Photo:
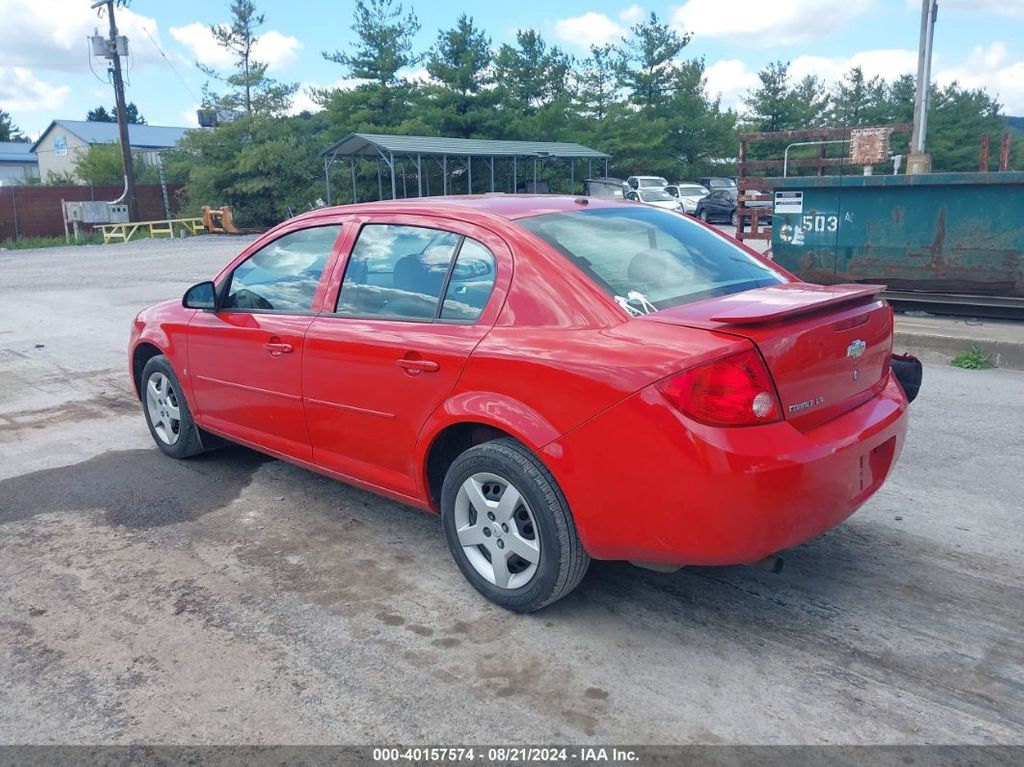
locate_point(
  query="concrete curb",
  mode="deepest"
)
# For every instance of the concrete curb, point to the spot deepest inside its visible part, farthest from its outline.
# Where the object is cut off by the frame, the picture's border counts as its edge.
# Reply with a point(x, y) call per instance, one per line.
point(939, 339)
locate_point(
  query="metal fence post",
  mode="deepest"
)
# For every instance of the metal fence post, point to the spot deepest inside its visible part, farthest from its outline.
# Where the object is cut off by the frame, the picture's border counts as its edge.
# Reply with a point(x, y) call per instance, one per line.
point(14, 204)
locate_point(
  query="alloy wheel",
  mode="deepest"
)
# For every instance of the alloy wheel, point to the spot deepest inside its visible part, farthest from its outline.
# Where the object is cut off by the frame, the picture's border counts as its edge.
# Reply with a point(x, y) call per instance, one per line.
point(497, 530)
point(162, 406)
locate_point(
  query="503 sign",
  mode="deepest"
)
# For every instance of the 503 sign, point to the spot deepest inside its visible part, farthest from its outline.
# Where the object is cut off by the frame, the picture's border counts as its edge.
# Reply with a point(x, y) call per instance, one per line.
point(819, 222)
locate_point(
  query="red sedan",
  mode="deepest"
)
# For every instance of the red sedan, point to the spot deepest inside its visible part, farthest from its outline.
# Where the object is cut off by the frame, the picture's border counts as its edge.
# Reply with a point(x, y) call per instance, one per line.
point(560, 378)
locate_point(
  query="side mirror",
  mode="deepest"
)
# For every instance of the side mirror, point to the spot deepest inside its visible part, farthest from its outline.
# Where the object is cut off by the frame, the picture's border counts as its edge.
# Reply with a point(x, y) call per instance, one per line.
point(200, 296)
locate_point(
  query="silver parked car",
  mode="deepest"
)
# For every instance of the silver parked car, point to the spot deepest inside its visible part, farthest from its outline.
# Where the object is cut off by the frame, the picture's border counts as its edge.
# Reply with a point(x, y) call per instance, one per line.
point(688, 194)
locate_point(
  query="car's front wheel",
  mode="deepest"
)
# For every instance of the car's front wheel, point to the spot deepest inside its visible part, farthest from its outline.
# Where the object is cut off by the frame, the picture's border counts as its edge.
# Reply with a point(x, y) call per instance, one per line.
point(704, 215)
point(167, 413)
point(733, 220)
point(509, 527)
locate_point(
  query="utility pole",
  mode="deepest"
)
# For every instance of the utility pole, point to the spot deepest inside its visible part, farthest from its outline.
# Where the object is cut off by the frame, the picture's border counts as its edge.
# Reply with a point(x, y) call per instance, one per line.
point(114, 54)
point(919, 161)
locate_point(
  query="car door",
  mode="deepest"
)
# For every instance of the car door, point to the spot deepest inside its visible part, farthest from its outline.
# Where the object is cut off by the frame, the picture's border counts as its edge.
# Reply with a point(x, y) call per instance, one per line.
point(245, 358)
point(392, 350)
point(721, 205)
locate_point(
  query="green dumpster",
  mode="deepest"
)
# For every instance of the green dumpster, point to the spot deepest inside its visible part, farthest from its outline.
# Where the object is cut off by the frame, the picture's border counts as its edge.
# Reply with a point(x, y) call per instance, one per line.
point(940, 233)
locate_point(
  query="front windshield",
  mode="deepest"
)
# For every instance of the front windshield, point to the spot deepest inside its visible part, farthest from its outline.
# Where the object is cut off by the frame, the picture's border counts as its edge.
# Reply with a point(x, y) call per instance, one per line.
point(723, 183)
point(649, 259)
point(655, 195)
point(652, 181)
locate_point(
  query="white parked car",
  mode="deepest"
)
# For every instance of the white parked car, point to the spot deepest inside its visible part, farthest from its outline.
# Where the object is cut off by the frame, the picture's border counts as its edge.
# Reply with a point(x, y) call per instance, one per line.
point(643, 182)
point(659, 198)
point(688, 194)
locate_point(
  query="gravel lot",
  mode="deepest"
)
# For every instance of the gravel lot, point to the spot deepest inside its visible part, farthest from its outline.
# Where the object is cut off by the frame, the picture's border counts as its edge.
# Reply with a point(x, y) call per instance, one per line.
point(237, 599)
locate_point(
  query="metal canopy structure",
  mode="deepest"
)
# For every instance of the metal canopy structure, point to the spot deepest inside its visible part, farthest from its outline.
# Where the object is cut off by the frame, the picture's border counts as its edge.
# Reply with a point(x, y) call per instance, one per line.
point(411, 157)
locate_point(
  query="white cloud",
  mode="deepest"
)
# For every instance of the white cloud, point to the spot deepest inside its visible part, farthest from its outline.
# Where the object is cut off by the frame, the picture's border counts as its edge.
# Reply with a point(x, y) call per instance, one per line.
point(188, 119)
point(22, 91)
point(782, 22)
point(998, 7)
point(52, 36)
point(992, 68)
point(885, 63)
point(303, 101)
point(419, 75)
point(730, 79)
point(272, 48)
point(589, 29)
point(631, 15)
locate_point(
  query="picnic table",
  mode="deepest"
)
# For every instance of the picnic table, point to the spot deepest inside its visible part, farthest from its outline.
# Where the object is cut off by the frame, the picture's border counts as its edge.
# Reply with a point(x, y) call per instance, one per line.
point(167, 226)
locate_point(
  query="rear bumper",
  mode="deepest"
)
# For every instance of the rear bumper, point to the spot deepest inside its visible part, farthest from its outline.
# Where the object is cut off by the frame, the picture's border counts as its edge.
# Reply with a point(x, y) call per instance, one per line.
point(646, 484)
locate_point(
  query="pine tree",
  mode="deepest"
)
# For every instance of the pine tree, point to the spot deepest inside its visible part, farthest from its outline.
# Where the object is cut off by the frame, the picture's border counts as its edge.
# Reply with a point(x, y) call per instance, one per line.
point(101, 115)
point(646, 60)
point(598, 81)
point(251, 91)
point(384, 48)
point(459, 62)
point(8, 130)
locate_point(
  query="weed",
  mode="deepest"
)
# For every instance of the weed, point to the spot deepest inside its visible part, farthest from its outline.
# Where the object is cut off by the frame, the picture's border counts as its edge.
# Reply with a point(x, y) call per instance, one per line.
point(975, 358)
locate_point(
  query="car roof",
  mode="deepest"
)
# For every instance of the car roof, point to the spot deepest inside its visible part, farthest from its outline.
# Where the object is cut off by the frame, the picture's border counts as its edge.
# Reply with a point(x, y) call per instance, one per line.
point(505, 206)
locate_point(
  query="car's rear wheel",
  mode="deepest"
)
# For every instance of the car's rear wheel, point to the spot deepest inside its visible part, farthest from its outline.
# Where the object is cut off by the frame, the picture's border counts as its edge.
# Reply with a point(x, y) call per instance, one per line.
point(167, 413)
point(509, 527)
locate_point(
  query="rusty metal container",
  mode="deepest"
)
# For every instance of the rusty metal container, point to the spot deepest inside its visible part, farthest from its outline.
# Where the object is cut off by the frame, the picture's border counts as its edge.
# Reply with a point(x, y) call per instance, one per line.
point(941, 233)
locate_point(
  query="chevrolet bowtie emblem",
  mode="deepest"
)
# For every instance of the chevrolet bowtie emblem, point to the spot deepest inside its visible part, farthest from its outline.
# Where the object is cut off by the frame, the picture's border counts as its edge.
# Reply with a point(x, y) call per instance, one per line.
point(856, 349)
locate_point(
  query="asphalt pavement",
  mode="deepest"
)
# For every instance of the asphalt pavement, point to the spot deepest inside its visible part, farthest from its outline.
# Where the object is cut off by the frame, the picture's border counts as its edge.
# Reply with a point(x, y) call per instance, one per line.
point(237, 599)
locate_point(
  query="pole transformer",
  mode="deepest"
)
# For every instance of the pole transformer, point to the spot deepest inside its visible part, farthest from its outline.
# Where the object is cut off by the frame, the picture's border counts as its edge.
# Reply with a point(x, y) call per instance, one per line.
point(122, 111)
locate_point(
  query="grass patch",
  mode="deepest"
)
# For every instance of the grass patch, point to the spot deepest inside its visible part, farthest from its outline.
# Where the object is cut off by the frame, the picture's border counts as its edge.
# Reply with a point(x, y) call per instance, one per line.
point(84, 238)
point(975, 358)
point(26, 243)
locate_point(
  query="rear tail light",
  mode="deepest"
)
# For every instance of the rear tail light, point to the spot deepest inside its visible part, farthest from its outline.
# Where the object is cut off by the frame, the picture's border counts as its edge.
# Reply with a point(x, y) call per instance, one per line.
point(732, 391)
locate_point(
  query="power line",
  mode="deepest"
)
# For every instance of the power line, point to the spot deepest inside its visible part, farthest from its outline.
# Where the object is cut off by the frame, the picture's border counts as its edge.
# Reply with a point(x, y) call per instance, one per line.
point(170, 64)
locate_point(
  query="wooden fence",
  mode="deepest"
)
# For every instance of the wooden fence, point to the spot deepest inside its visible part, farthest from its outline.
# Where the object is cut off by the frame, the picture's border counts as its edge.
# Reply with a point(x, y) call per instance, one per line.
point(35, 211)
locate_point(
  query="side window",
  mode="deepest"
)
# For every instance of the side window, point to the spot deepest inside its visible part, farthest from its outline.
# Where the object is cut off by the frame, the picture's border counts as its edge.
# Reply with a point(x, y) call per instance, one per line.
point(282, 276)
point(471, 282)
point(397, 271)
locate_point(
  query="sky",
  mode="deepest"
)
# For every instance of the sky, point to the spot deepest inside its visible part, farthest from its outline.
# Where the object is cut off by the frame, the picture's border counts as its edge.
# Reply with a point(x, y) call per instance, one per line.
point(46, 71)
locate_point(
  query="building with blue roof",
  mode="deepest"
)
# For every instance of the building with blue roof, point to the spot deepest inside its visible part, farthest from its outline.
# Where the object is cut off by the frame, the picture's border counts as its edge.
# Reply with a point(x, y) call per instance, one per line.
point(64, 140)
point(17, 163)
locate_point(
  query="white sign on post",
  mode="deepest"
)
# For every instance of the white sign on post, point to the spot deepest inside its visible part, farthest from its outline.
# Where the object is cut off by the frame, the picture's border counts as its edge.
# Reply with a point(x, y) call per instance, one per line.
point(789, 202)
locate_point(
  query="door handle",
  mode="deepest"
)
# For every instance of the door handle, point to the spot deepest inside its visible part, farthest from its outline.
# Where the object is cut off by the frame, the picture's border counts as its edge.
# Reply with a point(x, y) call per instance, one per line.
point(415, 367)
point(277, 348)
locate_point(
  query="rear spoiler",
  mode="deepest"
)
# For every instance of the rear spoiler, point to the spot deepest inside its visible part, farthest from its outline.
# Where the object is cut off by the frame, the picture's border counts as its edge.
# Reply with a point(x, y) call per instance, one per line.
point(788, 300)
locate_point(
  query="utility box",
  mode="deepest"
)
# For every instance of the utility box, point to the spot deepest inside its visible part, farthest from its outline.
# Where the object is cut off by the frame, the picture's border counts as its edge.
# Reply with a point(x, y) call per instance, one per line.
point(940, 233)
point(96, 212)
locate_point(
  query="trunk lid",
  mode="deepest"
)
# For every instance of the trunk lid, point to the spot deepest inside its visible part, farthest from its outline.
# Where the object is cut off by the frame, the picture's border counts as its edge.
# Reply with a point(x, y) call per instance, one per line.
point(828, 348)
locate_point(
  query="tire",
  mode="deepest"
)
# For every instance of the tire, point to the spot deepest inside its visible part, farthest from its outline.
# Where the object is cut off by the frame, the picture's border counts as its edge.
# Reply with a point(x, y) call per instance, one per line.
point(538, 524)
point(734, 219)
point(704, 215)
point(162, 396)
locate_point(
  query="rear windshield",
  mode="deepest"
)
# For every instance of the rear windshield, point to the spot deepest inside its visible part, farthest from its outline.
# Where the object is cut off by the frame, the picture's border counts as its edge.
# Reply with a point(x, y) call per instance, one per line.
point(605, 190)
point(649, 259)
point(654, 195)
